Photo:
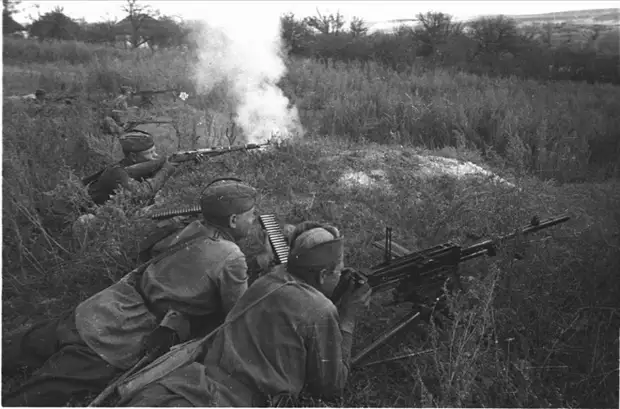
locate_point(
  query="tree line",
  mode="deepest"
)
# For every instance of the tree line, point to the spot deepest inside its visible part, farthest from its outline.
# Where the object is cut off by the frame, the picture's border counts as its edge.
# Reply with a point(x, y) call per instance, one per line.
point(494, 46)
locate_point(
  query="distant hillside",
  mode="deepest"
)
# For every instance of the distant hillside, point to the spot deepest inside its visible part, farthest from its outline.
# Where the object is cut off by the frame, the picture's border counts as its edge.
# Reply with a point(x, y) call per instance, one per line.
point(599, 29)
point(604, 17)
point(585, 17)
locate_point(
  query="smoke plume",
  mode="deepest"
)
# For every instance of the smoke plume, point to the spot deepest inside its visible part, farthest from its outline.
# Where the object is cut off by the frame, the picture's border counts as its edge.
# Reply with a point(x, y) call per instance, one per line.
point(240, 48)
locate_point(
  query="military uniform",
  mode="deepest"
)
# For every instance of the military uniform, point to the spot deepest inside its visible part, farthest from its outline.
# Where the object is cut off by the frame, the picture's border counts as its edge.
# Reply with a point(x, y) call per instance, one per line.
point(143, 180)
point(189, 292)
point(291, 340)
point(112, 127)
point(185, 293)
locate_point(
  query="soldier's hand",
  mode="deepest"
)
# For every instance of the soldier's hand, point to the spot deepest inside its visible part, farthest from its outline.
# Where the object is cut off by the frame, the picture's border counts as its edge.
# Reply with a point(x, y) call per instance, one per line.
point(159, 342)
point(354, 300)
point(288, 230)
point(169, 167)
point(266, 256)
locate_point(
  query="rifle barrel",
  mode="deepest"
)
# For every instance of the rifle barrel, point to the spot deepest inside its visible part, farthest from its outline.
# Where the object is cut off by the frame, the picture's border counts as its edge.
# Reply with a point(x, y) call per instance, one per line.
point(214, 151)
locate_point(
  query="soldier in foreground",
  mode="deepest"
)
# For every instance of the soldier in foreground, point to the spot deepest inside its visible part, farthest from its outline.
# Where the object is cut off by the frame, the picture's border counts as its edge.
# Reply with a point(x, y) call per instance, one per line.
point(185, 294)
point(283, 336)
point(141, 171)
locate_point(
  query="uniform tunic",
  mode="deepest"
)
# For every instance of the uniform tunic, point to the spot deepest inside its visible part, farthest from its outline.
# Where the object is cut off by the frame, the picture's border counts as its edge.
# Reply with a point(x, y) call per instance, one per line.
point(291, 340)
point(115, 177)
point(199, 283)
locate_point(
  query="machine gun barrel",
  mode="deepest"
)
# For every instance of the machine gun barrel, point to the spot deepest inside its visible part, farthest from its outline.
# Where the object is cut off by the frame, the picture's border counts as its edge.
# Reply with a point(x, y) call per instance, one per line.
point(489, 246)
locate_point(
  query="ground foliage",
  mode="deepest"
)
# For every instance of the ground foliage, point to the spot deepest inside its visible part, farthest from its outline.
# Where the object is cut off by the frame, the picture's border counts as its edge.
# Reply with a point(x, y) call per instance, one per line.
point(542, 331)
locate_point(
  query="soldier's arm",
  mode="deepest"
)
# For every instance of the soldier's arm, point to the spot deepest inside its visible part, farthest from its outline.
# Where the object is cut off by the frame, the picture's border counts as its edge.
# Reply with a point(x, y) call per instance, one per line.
point(179, 323)
point(232, 284)
point(146, 189)
point(329, 354)
point(233, 281)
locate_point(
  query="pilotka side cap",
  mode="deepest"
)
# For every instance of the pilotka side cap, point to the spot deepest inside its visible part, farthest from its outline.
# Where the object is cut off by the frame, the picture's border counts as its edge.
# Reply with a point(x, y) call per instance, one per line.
point(227, 199)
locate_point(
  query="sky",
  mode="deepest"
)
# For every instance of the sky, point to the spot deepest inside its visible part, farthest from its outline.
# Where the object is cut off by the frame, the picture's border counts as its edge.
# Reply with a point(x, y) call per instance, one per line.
point(370, 11)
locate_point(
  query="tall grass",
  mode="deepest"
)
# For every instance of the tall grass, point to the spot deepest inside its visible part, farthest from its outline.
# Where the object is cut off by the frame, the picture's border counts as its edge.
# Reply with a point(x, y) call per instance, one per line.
point(533, 333)
point(565, 131)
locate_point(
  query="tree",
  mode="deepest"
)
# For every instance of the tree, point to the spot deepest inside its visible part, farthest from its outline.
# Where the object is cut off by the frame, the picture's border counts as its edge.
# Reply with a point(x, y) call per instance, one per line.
point(100, 32)
point(295, 33)
point(139, 23)
point(54, 25)
point(10, 6)
point(358, 27)
point(326, 24)
point(166, 33)
point(609, 43)
point(495, 35)
point(9, 25)
point(434, 29)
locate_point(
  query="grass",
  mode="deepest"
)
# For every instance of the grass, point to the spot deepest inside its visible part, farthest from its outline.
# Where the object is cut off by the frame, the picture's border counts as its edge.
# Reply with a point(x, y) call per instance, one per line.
point(537, 332)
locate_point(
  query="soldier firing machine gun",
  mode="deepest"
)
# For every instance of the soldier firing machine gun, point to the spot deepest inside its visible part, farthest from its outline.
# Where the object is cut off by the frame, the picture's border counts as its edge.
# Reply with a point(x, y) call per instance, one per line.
point(417, 277)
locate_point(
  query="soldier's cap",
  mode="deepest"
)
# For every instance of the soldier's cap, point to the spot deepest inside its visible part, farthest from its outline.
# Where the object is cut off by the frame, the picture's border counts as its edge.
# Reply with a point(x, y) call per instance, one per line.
point(136, 141)
point(126, 88)
point(315, 246)
point(224, 197)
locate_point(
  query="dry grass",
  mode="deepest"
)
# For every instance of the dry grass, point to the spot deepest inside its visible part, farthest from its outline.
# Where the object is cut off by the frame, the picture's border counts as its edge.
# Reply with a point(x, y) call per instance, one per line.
point(537, 332)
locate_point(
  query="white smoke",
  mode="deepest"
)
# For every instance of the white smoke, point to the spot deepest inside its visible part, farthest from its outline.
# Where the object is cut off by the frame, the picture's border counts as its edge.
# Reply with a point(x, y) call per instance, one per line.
point(240, 46)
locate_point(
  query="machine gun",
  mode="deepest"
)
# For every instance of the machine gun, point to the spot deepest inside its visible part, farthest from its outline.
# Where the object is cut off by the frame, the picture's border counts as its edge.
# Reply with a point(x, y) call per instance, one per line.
point(420, 277)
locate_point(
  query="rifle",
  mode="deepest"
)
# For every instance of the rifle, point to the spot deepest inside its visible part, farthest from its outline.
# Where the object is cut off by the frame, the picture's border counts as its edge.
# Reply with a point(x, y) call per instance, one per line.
point(151, 92)
point(147, 94)
point(129, 125)
point(199, 154)
point(145, 169)
point(419, 277)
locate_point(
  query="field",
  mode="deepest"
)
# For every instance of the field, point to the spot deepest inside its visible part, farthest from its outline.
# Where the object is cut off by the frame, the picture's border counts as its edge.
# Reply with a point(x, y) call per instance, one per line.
point(538, 332)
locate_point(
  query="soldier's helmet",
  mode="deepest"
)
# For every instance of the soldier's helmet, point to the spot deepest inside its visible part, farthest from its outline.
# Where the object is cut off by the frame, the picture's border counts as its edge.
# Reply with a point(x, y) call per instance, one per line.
point(39, 93)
